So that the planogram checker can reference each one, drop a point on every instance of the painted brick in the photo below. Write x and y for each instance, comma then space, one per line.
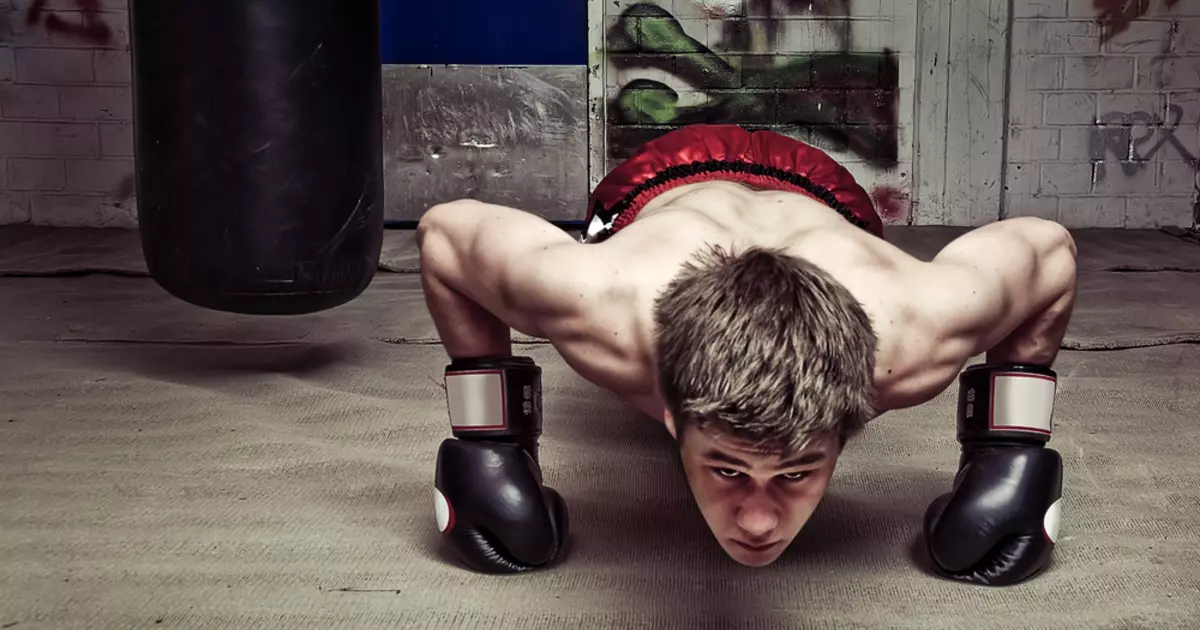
1027, 108
1041, 206
1153, 103
112, 66
1169, 73
1142, 179
1039, 8
1083, 8
96, 103
116, 139
1189, 103
1033, 143
1079, 144
1066, 178
1022, 178
60, 139
99, 176
1142, 37
11, 138
29, 102
103, 29
1171, 143
1089, 212
1051, 37
1156, 212
36, 174
1037, 72
14, 208
1070, 108
1185, 40
50, 65
1179, 178
1098, 73
7, 64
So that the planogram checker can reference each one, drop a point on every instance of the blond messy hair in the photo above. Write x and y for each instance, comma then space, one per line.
766, 347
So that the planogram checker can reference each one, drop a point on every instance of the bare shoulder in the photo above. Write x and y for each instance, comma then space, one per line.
528, 272
974, 293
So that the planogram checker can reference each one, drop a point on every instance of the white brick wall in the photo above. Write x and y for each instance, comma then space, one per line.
66, 141
1103, 130
66, 131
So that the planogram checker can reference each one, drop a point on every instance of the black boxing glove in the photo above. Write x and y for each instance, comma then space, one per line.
490, 504
999, 524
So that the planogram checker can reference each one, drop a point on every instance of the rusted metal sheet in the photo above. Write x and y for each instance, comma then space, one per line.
509, 135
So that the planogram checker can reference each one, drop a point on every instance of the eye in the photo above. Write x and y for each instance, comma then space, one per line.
797, 476
727, 473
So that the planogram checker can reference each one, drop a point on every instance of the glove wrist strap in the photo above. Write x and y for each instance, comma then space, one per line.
496, 399
1005, 403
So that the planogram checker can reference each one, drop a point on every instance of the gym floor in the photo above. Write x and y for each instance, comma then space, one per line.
166, 466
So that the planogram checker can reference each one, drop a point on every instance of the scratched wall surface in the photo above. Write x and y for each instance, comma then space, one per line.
835, 73
1104, 112
514, 136
508, 135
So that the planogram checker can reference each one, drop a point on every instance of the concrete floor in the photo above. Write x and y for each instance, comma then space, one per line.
165, 466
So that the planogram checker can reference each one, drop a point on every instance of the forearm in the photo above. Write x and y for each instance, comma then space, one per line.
1039, 338
1050, 293
465, 328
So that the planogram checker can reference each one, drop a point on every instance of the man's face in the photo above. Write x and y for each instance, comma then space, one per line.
754, 502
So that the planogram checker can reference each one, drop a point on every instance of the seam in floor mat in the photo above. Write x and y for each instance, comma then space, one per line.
74, 273
1182, 339
385, 268
1076, 346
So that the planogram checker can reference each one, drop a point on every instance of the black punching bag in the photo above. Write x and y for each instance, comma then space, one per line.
259, 150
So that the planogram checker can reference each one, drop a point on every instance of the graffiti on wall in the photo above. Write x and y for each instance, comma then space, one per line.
845, 101
1115, 16
86, 23
1135, 138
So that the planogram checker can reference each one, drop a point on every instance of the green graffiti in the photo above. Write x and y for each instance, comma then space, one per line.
849, 99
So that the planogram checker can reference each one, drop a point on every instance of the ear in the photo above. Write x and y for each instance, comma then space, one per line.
669, 420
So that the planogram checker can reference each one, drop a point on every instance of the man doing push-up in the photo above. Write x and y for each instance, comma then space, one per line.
737, 287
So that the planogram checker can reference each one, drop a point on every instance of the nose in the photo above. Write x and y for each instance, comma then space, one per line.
757, 515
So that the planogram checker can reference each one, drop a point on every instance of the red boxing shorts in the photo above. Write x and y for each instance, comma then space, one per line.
698, 153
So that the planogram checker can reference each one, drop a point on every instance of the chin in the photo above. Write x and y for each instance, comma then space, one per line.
750, 559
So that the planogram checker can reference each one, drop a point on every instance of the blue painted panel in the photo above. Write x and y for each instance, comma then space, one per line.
485, 32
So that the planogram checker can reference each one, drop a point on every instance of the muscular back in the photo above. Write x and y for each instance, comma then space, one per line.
671, 229
594, 302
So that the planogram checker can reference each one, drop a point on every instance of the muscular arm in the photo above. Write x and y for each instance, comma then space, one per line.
1006, 289
486, 269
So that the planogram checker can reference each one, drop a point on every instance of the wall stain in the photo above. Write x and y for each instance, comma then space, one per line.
1115, 16
90, 27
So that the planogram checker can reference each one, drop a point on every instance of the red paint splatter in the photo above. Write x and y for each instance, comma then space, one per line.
891, 203
92, 28
1116, 15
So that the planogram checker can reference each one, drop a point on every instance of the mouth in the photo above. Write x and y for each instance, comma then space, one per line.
756, 548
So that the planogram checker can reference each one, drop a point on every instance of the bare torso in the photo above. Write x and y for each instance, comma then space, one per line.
613, 345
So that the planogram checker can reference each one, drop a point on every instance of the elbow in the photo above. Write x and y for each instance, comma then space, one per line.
1047, 237
430, 224
1060, 239
451, 221
433, 240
